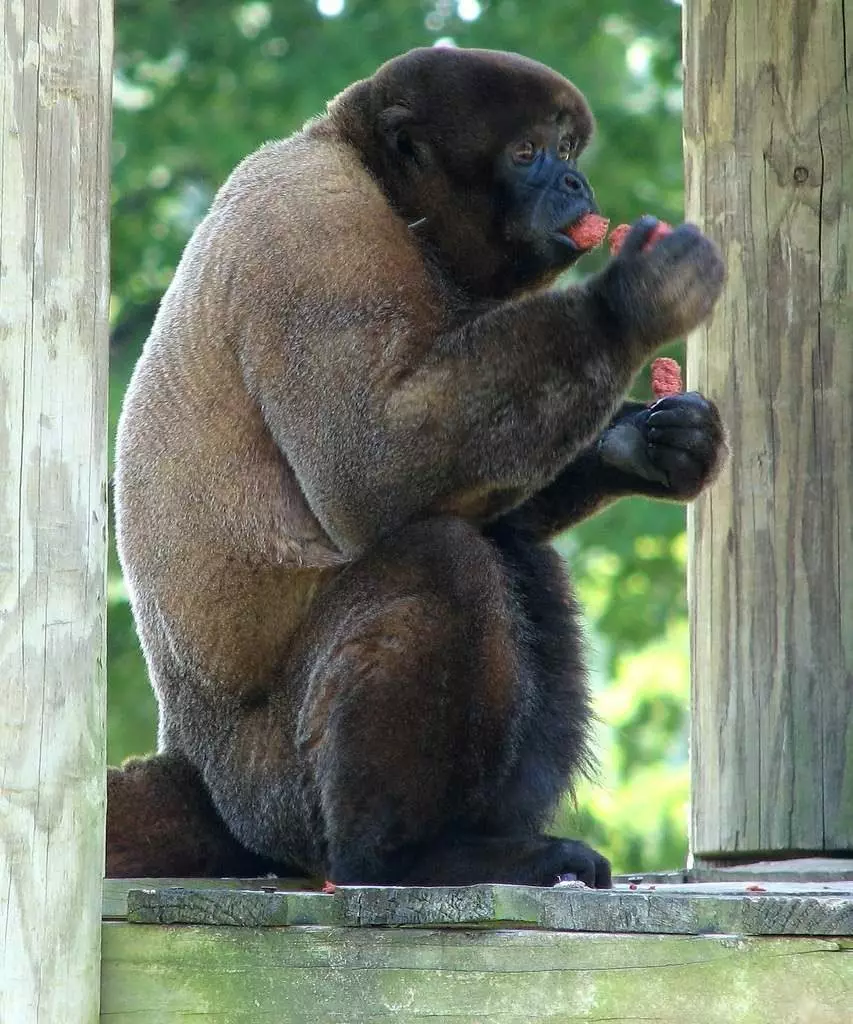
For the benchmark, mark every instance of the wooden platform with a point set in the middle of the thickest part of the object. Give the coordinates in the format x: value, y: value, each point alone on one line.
x: 701, y: 953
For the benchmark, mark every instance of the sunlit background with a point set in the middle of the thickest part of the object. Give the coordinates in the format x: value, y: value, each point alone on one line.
x: 200, y: 83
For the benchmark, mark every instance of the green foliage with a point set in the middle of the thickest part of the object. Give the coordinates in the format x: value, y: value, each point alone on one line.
x: 635, y: 809
x: 200, y: 85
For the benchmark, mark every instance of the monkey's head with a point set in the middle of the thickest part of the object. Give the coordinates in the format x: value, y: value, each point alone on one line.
x: 477, y: 150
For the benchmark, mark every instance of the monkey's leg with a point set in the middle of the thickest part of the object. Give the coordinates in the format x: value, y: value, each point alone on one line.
x: 419, y: 698
x: 160, y: 823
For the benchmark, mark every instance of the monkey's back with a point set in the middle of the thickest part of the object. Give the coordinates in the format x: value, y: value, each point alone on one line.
x: 220, y: 550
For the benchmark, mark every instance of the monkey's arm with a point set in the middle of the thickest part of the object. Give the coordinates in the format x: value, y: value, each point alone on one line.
x: 386, y: 414
x: 672, y: 450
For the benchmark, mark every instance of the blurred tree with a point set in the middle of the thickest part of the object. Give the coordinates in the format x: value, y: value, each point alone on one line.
x: 200, y: 85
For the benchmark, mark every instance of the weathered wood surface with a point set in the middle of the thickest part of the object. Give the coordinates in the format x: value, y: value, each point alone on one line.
x: 809, y: 869
x: 769, y: 174
x: 115, y: 890
x: 54, y: 286
x: 311, y: 975
x: 694, y: 909
x: 812, y: 869
x: 800, y: 869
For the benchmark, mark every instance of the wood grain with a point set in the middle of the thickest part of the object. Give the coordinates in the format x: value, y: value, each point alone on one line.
x: 310, y: 975
x: 694, y: 909
x: 54, y: 288
x: 769, y: 170
x: 115, y: 890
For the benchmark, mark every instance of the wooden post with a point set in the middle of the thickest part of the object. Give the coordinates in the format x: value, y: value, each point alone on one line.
x: 54, y: 282
x: 769, y: 169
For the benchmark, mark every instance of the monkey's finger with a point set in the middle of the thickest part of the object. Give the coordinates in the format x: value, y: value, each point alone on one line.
x: 689, y: 410
x: 697, y: 443
x: 686, y: 401
x: 586, y: 873
x: 684, y: 471
x: 624, y: 447
x: 603, y: 879
x: 687, y: 259
x: 586, y: 864
x: 684, y: 240
x: 640, y: 233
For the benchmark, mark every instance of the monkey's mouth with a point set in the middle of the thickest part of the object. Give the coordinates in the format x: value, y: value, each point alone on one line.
x: 587, y: 232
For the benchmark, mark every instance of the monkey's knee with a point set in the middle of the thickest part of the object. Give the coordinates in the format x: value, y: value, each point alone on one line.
x: 161, y: 823
x: 416, y: 645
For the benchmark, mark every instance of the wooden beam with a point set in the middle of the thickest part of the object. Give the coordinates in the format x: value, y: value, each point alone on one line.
x: 480, y: 954
x: 304, y: 975
x: 769, y: 174
x: 54, y: 290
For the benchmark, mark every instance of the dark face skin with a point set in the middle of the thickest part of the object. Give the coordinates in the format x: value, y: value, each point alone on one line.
x: 543, y: 193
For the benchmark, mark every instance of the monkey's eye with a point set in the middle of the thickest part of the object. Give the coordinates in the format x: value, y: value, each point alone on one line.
x: 524, y: 152
x: 567, y: 148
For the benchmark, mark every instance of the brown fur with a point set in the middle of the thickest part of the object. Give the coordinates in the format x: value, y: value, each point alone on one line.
x: 355, y: 424
x: 161, y: 822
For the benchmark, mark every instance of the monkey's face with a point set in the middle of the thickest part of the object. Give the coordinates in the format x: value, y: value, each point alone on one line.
x: 477, y: 150
x: 541, y: 196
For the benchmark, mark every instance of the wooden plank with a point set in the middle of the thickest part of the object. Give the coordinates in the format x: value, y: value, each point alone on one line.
x: 799, y: 869
x: 818, y: 909
x: 54, y: 291
x: 115, y: 890
x: 810, y: 869
x: 769, y: 174
x: 795, y: 869
x: 751, y: 886
x: 239, y: 909
x: 689, y: 913
x: 162, y: 975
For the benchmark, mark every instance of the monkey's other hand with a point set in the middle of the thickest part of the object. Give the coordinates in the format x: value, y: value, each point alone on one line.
x: 656, y: 294
x: 678, y: 443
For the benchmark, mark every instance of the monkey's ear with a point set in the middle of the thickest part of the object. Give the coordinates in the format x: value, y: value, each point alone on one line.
x: 402, y: 134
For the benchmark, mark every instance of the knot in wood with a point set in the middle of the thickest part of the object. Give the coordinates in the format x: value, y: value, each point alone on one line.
x: 801, y: 175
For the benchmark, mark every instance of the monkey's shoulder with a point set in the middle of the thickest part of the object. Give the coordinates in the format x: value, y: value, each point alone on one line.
x: 313, y: 193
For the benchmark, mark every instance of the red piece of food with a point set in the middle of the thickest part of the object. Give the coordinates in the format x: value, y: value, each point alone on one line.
x: 617, y: 235
x: 755, y: 888
x: 589, y: 231
x: 659, y: 231
x: 666, y: 378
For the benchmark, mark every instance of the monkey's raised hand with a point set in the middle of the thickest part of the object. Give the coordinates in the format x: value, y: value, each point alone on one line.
x: 661, y: 293
x: 678, y: 443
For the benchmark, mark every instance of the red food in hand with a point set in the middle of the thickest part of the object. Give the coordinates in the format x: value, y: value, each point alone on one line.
x: 660, y: 230
x: 666, y: 378
x: 589, y: 231
x: 617, y: 235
